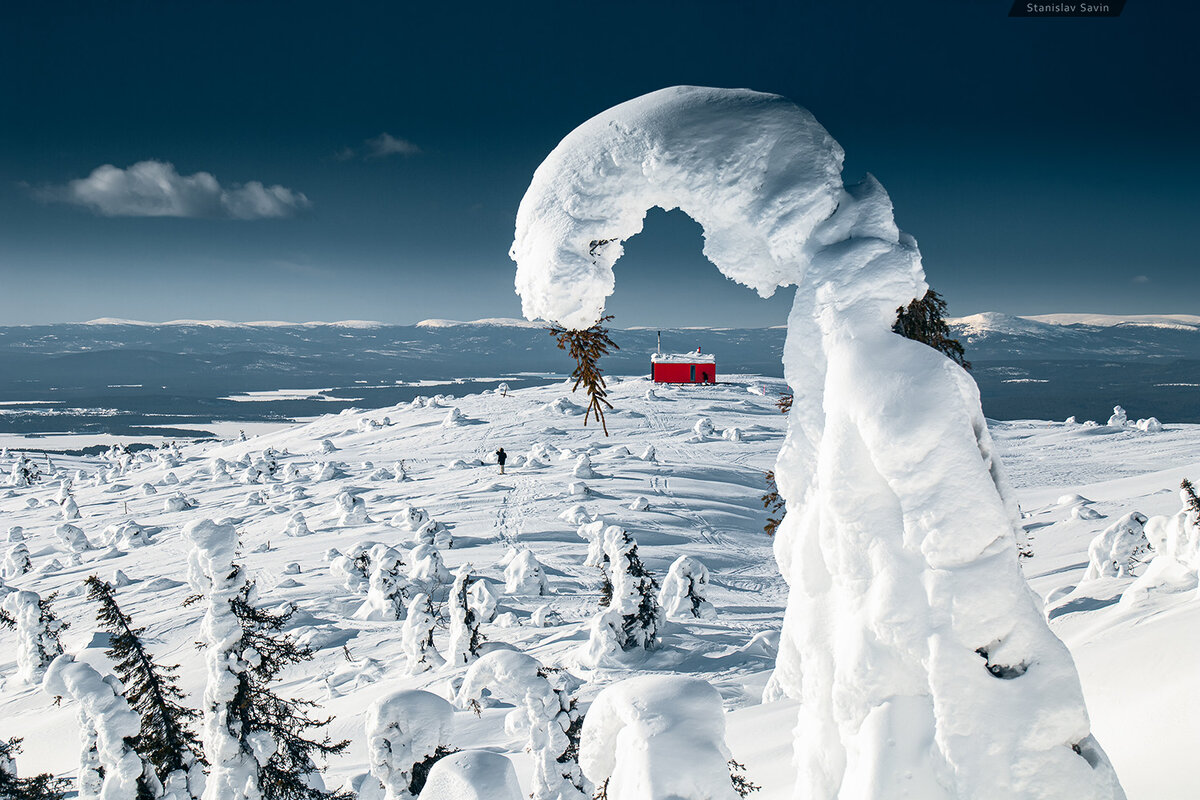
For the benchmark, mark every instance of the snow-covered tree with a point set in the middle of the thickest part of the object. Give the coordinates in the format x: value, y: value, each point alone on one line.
x: 1115, y: 551
x: 352, y: 510
x: 109, y: 728
x: 17, y: 561
x: 657, y: 737
x: 73, y: 538
x: 632, y: 617
x: 525, y: 575
x: 386, y: 588
x: 545, y: 713
x: 483, y: 600
x: 465, y: 637
x: 427, y: 567
x: 416, y: 638
x: 685, y: 588
x: 899, y: 538
x: 924, y: 320
x: 255, y: 741
x: 593, y: 533
x: 583, y: 467
x: 354, y: 567
x: 472, y: 775
x: 407, y: 732
x: 38, y: 631
x: 1176, y: 543
x: 38, y: 787
x: 165, y: 738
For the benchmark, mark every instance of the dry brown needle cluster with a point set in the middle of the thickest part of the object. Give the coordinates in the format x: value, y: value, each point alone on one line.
x: 586, y: 347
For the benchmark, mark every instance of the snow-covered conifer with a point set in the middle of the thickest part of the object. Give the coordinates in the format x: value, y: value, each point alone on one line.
x: 427, y: 567
x: 525, y: 575
x: 165, y: 738
x: 545, y: 713
x: 685, y: 588
x: 637, y: 731
x: 17, y: 561
x: 593, y: 533
x: 483, y: 600
x: 472, y: 775
x: 297, y: 525
x: 73, y: 538
x: 255, y: 740
x: 583, y: 467
x: 465, y: 637
x: 703, y: 428
x: 1115, y: 551
x: 633, y: 617
x: 38, y: 631
x: 386, y: 587
x: 649, y: 454
x: 70, y: 509
x: 352, y: 510
x: 108, y: 729
x: 416, y: 637
x: 1119, y: 418
x: 407, y: 732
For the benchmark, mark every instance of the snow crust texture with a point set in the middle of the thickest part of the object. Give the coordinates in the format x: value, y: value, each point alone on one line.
x: 918, y: 653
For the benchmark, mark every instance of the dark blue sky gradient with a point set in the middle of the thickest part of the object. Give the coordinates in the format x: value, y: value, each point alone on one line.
x: 1043, y: 165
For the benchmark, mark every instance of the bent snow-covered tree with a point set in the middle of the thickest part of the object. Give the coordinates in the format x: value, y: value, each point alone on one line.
x: 899, y: 542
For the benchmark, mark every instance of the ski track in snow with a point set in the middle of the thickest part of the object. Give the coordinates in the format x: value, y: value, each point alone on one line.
x: 704, y: 502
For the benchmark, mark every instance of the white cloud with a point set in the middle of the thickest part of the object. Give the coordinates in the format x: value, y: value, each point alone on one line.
x: 156, y: 189
x: 1141, y: 279
x: 380, y: 146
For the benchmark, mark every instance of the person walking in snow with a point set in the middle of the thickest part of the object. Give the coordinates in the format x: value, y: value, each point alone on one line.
x: 501, y: 457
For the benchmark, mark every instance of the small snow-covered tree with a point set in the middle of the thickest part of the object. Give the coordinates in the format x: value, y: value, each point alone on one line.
x: 525, y: 575
x: 684, y: 590
x: 472, y: 775
x: 38, y: 631
x: 354, y: 567
x: 407, y: 732
x: 427, y: 566
x: 545, y: 713
x: 109, y: 728
x: 256, y: 741
x: 386, y: 588
x: 352, y: 510
x: 593, y: 533
x: 633, y: 617
x: 416, y: 637
x: 657, y: 737
x: 165, y: 739
x: 38, y: 787
x: 1118, y: 548
x: 483, y: 600
x: 465, y: 637
x: 17, y: 561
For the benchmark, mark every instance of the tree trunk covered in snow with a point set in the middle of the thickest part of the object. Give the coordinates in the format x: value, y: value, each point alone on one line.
x: 918, y: 652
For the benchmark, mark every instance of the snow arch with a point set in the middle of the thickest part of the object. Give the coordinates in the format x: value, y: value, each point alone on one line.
x: 921, y: 658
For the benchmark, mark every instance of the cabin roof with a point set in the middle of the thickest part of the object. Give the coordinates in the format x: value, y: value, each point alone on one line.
x: 683, y: 358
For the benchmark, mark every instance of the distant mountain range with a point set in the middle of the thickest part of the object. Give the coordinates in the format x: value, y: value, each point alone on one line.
x: 1048, y: 366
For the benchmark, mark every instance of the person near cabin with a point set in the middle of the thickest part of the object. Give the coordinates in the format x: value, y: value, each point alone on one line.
x: 501, y: 457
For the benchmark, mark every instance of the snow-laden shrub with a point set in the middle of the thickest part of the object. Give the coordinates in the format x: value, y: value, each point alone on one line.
x: 352, y: 510
x: 354, y: 567
x: 639, y: 503
x: 545, y: 714
x: 16, y: 534
x: 685, y: 588
x: 38, y: 632
x: 126, y: 535
x: 454, y: 418
x: 324, y: 471
x: 177, y: 502
x: 472, y: 775
x: 70, y: 509
x: 381, y: 474
x: 427, y: 566
x: 593, y: 533
x: 170, y: 479
x: 406, y: 729
x: 386, y: 588
x: 483, y: 600
x: 1119, y: 418
x: 73, y: 538
x: 649, y: 454
x: 575, y: 515
x: 465, y: 637
x: 328, y: 446
x: 583, y: 467
x: 255, y: 499
x: 416, y: 637
x: 17, y: 561
x: 1150, y: 425
x: 1120, y: 547
x: 435, y: 533
x: 544, y: 616
x: 148, y: 489
x: 1175, y: 566
x: 577, y: 489
x: 401, y: 474
x: 658, y: 737
x: 525, y: 575
x: 409, y: 518
x: 703, y: 428
x: 108, y: 728
x: 633, y: 617
x: 1085, y: 512
x: 732, y: 434
x: 297, y: 525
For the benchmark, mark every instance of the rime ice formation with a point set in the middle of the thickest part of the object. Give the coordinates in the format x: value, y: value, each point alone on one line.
x: 1118, y: 548
x: 1176, y: 563
x: 37, y: 634
x: 545, y: 712
x: 684, y: 590
x: 472, y: 775
x: 107, y: 727
x: 403, y: 729
x: 657, y: 737
x: 917, y: 651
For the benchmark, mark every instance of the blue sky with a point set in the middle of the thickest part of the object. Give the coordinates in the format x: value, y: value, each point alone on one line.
x: 365, y: 160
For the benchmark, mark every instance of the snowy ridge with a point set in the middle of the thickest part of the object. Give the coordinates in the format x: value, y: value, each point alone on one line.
x: 224, y: 323
x: 491, y: 322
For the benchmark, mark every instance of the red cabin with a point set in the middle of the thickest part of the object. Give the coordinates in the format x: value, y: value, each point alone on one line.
x: 694, y: 367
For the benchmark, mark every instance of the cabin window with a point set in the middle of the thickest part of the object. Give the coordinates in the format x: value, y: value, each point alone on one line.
x: 693, y: 379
